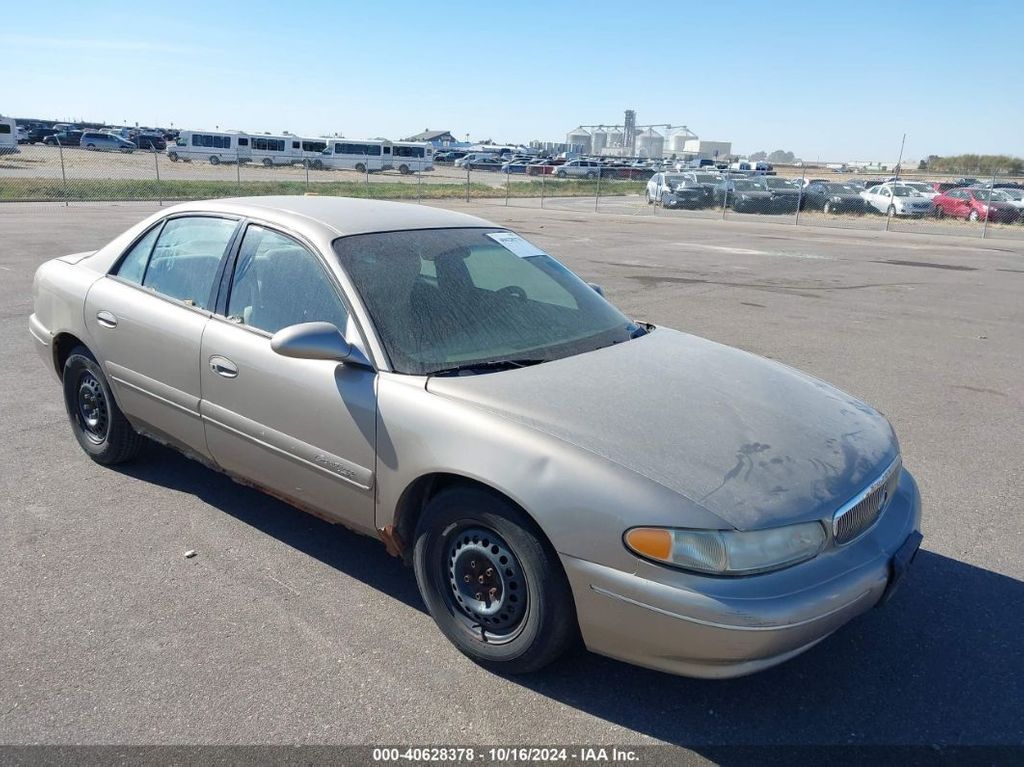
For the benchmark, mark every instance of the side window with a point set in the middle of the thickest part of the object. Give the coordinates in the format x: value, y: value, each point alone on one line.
x: 185, y: 259
x: 133, y: 265
x: 277, y: 283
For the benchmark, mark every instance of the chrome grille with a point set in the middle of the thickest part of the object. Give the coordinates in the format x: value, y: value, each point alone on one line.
x: 859, y: 514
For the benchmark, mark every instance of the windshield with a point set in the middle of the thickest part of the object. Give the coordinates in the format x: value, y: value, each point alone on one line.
x: 676, y: 180
x: 742, y: 185
x: 919, y: 186
x: 840, y: 189
x: 777, y: 183
x: 705, y: 178
x: 440, y: 298
x: 904, y: 191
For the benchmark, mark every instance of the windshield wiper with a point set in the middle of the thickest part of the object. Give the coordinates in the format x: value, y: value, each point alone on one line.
x: 487, y: 366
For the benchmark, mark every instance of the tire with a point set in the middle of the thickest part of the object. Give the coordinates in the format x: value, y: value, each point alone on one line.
x: 172, y: 156
x: 939, y: 212
x: 403, y: 169
x: 560, y: 174
x: 318, y: 164
x: 214, y: 160
x: 891, y: 211
x: 97, y: 422
x: 532, y: 620
x: 90, y: 146
x: 648, y: 196
x: 827, y: 208
x: 589, y: 174
x: 360, y: 167
x: 267, y: 162
x: 973, y: 215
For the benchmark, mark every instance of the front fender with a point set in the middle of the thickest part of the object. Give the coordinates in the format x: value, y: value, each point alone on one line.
x: 582, y: 502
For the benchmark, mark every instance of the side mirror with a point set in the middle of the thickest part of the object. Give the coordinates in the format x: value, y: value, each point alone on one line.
x: 316, y: 341
x: 597, y: 288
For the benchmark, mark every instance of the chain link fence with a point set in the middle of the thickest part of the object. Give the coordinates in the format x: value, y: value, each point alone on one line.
x: 966, y: 204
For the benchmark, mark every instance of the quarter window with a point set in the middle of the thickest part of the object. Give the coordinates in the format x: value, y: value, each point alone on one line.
x: 185, y: 260
x: 278, y: 283
x: 133, y: 266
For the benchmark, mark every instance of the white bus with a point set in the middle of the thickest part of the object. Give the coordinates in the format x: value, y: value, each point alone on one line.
x: 307, y: 150
x: 412, y: 156
x: 8, y: 136
x: 214, y: 146
x: 350, y: 154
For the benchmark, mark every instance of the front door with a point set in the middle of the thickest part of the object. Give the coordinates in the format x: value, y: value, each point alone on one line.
x: 302, y: 429
x: 146, y: 321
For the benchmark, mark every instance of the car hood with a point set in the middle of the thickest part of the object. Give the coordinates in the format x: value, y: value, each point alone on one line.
x: 752, y: 441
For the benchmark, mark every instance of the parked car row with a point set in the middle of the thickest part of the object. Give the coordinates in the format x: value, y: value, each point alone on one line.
x: 776, y: 195
x: 91, y: 140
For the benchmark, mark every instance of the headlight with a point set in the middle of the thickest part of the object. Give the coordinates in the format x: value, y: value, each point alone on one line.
x: 728, y: 552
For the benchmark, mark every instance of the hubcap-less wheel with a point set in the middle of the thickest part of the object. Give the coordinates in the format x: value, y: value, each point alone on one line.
x: 92, y: 408
x: 487, y: 590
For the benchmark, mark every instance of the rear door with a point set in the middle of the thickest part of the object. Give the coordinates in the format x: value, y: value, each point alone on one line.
x: 303, y: 429
x: 146, y: 321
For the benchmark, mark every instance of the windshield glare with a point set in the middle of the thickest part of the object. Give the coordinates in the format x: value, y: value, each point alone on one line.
x: 440, y: 298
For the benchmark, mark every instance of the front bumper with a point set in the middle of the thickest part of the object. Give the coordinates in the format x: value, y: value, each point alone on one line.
x: 672, y: 201
x: 708, y: 627
x: 43, y: 341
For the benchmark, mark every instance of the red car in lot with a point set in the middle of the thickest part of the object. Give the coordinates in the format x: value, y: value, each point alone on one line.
x: 974, y: 204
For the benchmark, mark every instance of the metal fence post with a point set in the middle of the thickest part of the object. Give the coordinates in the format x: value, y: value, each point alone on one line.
x: 63, y: 173
x: 238, y: 168
x: 800, y: 196
x: 725, y: 198
x: 156, y: 165
x: 419, y: 186
x: 543, y: 176
x: 508, y: 183
x: 988, y: 206
x: 305, y: 163
x: 597, y: 194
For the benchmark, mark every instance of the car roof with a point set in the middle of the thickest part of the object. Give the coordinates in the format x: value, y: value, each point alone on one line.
x: 342, y: 215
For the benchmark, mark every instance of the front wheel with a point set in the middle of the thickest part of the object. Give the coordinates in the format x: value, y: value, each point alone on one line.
x: 939, y: 212
x: 172, y: 156
x: 827, y: 208
x: 96, y: 421
x: 360, y: 168
x: 973, y: 216
x: 267, y: 162
x: 891, y: 211
x: 214, y: 160
x: 492, y: 583
x: 404, y: 170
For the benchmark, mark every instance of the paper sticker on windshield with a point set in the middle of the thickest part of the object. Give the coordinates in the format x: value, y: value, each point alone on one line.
x: 513, y: 242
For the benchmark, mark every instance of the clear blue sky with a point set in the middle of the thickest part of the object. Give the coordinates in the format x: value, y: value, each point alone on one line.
x: 829, y: 81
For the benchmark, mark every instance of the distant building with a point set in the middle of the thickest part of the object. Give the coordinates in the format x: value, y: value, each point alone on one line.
x: 438, y: 138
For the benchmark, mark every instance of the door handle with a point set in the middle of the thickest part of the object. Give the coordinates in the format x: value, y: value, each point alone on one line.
x: 222, y: 366
x: 106, y: 319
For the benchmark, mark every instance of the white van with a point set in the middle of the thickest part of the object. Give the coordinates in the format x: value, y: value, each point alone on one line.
x: 306, y: 150
x: 412, y: 156
x: 349, y: 154
x: 8, y: 136
x: 210, y: 145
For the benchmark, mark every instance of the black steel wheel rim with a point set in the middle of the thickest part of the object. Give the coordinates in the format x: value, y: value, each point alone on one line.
x: 483, y: 584
x: 93, y: 411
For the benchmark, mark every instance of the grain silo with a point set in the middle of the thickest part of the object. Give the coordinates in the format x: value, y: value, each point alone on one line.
x: 650, y: 143
x: 578, y: 140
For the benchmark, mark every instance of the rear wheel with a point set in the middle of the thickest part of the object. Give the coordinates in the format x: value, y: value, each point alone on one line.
x: 973, y: 216
x: 172, y: 156
x: 214, y: 160
x: 360, y: 167
x: 492, y: 583
x: 939, y: 212
x: 827, y: 208
x: 96, y: 421
x: 267, y: 162
x: 318, y: 164
x: 590, y: 174
x: 403, y: 169
x: 891, y: 211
